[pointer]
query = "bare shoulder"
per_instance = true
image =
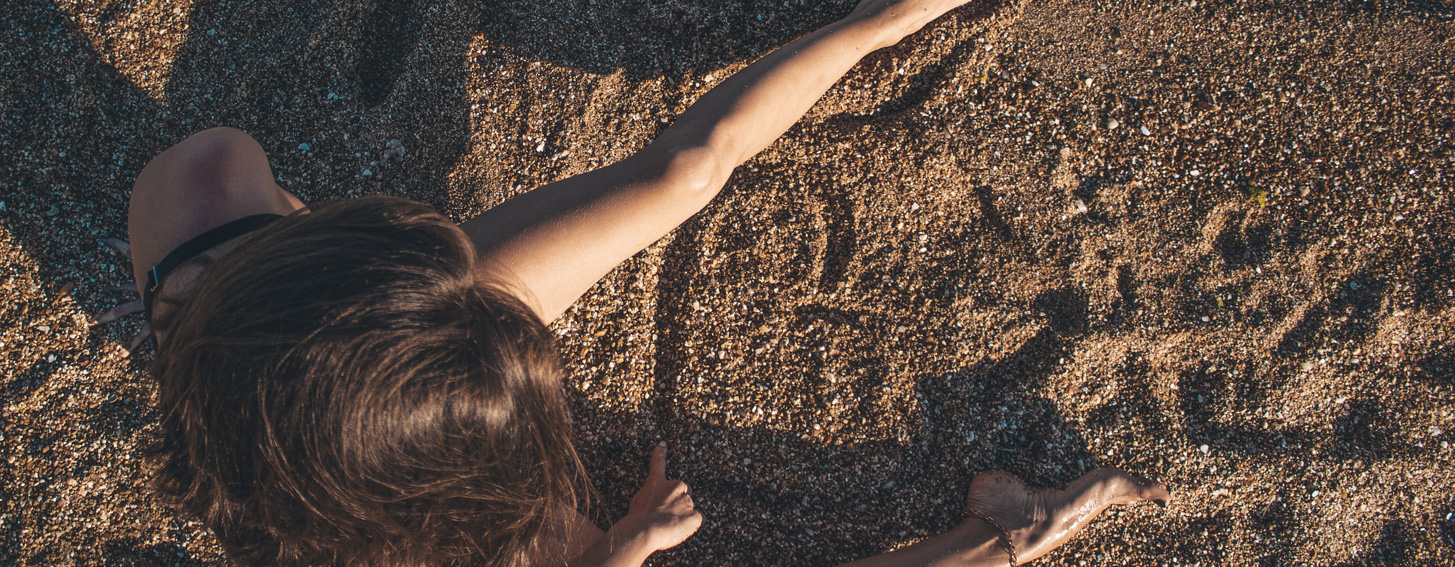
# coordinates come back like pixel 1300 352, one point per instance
pixel 211 178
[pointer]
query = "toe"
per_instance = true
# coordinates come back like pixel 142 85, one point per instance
pixel 1148 489
pixel 1156 492
pixel 141 335
pixel 1125 488
pixel 121 246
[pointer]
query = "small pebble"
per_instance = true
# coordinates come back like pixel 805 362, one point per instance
pixel 1112 124
pixel 394 148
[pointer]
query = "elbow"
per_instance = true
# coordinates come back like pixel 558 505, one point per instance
pixel 700 171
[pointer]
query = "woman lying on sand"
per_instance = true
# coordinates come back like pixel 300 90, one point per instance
pixel 368 383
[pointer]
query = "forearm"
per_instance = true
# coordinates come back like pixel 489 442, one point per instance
pixel 753 107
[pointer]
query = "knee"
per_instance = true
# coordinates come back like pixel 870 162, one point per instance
pixel 221 137
pixel 210 160
pixel 698 171
pixel 209 167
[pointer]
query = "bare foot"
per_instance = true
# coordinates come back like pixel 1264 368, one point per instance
pixel 1041 520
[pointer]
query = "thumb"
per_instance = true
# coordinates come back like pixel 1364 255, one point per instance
pixel 658 468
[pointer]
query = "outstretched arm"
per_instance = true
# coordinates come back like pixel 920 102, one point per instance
pixel 556 241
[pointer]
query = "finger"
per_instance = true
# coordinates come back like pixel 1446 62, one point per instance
pixel 120 311
pixel 658 468
pixel 121 246
pixel 682 528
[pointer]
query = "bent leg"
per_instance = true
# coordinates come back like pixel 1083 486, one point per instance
pixel 213 177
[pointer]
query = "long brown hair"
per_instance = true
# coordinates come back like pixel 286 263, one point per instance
pixel 346 388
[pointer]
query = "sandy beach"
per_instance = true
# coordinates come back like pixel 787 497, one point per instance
pixel 1211 242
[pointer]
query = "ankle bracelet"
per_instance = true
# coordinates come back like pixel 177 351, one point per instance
pixel 1006 542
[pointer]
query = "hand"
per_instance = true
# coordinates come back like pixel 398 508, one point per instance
pixel 903 17
pixel 661 513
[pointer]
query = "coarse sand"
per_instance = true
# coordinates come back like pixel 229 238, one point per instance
pixel 1206 241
